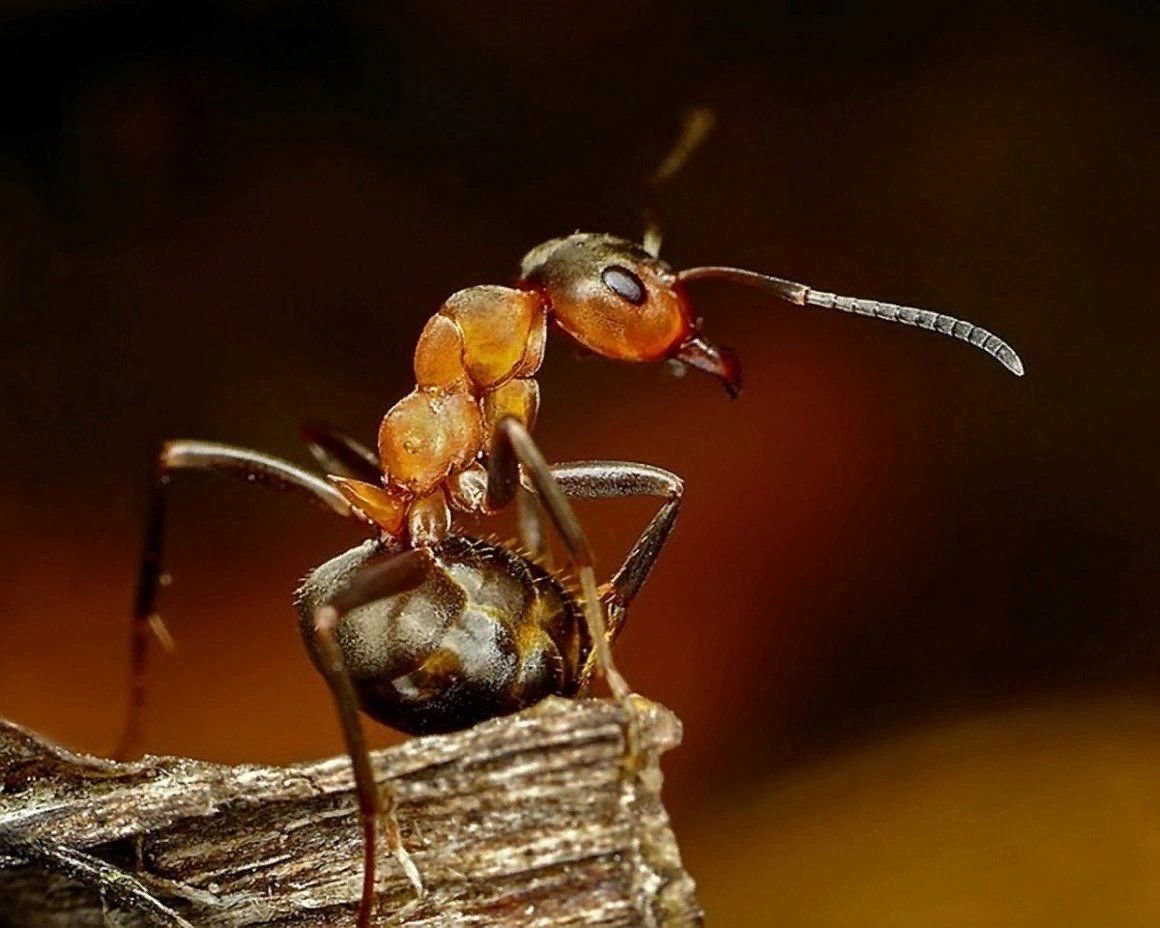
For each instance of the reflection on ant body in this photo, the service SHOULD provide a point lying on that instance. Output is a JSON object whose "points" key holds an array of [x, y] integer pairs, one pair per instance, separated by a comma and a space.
{"points": [[438, 637], [427, 630]]}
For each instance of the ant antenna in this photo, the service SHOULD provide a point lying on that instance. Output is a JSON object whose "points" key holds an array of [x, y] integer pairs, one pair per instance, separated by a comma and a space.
{"points": [[696, 125], [803, 295]]}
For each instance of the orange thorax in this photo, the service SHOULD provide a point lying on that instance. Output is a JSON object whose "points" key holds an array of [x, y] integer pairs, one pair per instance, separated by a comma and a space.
{"points": [[474, 364]]}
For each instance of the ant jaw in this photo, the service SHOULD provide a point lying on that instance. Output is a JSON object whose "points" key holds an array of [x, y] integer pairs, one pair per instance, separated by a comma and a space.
{"points": [[720, 362]]}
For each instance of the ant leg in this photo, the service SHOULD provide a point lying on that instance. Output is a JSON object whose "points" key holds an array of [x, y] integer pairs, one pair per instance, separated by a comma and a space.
{"points": [[617, 480], [208, 456], [696, 125], [511, 447], [370, 805], [396, 575], [531, 529], [338, 453]]}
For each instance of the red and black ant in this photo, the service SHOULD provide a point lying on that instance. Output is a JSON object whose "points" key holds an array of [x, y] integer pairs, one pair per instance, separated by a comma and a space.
{"points": [[426, 630]]}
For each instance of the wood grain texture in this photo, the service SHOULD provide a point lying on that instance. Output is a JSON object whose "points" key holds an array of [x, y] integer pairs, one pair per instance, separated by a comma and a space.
{"points": [[525, 820]]}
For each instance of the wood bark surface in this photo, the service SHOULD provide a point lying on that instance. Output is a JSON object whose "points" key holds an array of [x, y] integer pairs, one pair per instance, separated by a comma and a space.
{"points": [[527, 820]]}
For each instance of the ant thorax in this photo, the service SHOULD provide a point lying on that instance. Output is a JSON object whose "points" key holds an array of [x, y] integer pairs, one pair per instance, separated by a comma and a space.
{"points": [[474, 365]]}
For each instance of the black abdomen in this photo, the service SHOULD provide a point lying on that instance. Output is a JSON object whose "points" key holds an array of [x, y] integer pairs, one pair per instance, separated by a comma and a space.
{"points": [[485, 633]]}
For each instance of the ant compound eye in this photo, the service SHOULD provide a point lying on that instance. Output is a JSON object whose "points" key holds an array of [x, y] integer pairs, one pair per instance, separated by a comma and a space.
{"points": [[624, 283]]}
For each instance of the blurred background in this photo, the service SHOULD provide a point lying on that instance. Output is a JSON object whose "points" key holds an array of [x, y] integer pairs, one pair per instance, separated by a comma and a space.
{"points": [[909, 613]]}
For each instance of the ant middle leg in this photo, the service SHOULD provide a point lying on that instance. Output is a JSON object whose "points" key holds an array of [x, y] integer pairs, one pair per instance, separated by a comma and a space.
{"points": [[204, 456]]}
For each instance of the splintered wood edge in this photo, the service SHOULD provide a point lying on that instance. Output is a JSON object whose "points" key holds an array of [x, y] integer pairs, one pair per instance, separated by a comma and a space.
{"points": [[526, 820]]}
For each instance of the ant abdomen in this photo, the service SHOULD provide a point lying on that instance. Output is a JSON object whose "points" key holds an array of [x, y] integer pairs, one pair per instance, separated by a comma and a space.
{"points": [[480, 632]]}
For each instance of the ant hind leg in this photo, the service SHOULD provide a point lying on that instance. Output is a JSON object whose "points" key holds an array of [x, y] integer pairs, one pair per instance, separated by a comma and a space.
{"points": [[206, 456]]}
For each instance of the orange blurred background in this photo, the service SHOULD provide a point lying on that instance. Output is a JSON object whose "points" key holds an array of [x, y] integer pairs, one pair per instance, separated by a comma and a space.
{"points": [[909, 613]]}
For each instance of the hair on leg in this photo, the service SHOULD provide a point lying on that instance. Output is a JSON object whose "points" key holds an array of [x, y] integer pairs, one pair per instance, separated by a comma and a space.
{"points": [[202, 456]]}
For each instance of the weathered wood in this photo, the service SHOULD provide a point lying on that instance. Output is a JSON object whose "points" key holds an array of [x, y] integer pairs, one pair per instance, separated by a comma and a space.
{"points": [[526, 820]]}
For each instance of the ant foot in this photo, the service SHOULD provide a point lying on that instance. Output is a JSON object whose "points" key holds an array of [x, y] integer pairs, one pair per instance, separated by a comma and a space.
{"points": [[635, 757], [408, 864]]}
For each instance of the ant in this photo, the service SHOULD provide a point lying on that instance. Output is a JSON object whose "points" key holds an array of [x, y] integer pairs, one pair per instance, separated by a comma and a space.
{"points": [[427, 630]]}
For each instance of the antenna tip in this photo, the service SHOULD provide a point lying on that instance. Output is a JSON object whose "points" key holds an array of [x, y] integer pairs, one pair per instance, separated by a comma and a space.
{"points": [[1010, 360]]}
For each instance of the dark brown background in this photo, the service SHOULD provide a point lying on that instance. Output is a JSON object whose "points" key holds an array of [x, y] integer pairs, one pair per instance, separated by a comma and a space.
{"points": [[909, 614]]}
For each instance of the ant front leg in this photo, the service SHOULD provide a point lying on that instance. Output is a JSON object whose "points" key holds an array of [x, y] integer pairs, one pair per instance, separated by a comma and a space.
{"points": [[530, 528], [513, 446], [205, 456], [396, 575], [618, 480]]}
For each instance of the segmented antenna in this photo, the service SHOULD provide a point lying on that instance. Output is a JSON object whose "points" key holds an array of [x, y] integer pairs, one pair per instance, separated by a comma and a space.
{"points": [[802, 295]]}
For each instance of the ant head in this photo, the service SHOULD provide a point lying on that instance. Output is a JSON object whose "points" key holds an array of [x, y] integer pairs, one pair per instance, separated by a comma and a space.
{"points": [[621, 302]]}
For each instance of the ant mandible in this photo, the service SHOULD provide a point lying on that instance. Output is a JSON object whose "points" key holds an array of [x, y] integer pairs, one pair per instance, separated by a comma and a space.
{"points": [[426, 630]]}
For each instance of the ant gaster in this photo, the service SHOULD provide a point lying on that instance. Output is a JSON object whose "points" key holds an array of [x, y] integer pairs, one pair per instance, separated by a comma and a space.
{"points": [[427, 630]]}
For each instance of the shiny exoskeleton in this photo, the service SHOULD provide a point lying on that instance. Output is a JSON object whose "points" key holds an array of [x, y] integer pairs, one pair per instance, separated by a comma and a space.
{"points": [[476, 362], [429, 631], [436, 637], [484, 632]]}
